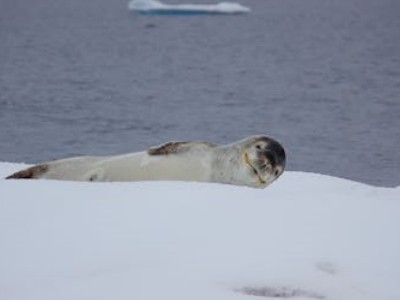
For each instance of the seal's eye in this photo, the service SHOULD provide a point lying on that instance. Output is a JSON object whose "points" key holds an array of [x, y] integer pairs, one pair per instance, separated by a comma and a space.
{"points": [[258, 147], [276, 172]]}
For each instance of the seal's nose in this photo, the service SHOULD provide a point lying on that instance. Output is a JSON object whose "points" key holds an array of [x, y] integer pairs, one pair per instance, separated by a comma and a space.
{"points": [[271, 157], [275, 153]]}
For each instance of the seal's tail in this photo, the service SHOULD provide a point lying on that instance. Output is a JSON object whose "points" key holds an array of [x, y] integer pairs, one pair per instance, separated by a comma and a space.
{"points": [[30, 173]]}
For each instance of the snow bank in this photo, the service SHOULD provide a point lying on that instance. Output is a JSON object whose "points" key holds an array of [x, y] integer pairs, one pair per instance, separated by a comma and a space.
{"points": [[157, 7], [307, 236]]}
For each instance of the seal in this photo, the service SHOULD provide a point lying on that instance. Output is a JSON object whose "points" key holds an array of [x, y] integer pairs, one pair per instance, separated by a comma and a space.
{"points": [[255, 161]]}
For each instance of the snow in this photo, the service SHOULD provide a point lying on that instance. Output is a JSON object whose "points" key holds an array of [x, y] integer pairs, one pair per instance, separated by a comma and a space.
{"points": [[307, 236], [157, 7]]}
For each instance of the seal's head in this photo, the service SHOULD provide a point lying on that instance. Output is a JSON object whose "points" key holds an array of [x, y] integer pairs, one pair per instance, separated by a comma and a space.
{"points": [[264, 159]]}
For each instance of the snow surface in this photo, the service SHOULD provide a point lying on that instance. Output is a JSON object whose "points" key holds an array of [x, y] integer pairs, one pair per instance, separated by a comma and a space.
{"points": [[307, 236], [157, 7]]}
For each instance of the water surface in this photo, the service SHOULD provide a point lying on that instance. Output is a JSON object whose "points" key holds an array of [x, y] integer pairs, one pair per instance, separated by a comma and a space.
{"points": [[91, 77]]}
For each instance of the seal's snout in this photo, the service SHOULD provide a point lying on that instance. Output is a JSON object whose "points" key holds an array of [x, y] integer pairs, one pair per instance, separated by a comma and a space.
{"points": [[275, 154], [270, 157]]}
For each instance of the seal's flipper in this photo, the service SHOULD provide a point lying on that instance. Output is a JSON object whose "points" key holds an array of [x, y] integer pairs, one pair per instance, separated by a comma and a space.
{"points": [[178, 147], [30, 173]]}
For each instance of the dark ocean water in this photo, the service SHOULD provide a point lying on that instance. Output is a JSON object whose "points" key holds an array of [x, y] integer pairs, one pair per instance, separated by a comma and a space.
{"points": [[90, 77]]}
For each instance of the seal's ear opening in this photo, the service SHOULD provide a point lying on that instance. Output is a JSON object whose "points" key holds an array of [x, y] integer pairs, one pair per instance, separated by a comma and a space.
{"points": [[30, 173]]}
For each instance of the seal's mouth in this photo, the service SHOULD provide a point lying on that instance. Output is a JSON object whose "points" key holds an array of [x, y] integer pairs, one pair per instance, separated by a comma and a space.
{"points": [[247, 160]]}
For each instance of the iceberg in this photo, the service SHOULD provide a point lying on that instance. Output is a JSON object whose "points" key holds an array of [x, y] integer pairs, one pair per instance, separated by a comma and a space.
{"points": [[158, 8], [307, 236]]}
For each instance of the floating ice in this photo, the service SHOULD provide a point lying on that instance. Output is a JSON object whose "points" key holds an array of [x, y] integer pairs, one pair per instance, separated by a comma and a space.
{"points": [[158, 8], [307, 236]]}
